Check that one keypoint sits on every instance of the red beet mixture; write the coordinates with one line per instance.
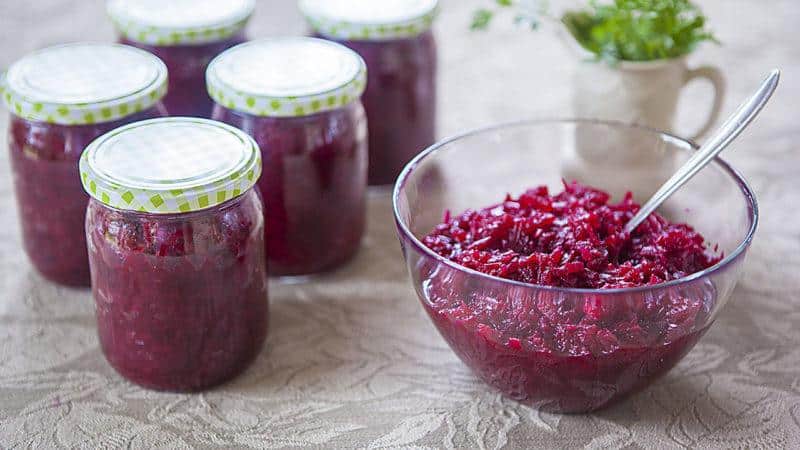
(314, 186)
(400, 101)
(567, 352)
(181, 299)
(52, 203)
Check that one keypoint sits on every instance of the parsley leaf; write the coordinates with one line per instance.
(639, 30)
(631, 30)
(481, 19)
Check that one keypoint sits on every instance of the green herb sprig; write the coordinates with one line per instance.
(628, 30)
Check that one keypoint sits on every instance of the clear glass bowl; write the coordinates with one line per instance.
(478, 169)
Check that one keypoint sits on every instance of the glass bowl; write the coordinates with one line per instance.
(478, 169)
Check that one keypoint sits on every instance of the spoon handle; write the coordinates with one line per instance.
(718, 141)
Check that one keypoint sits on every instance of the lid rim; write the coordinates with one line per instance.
(198, 192)
(174, 215)
(143, 32)
(235, 98)
(365, 30)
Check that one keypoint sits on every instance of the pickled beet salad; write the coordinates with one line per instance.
(563, 352)
(175, 232)
(180, 299)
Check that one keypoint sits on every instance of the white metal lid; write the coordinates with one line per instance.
(283, 77)
(170, 165)
(369, 19)
(177, 22)
(84, 83)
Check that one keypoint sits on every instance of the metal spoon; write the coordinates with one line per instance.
(717, 143)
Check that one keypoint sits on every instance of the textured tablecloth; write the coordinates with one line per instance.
(352, 361)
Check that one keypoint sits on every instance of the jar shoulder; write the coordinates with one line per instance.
(45, 141)
(221, 230)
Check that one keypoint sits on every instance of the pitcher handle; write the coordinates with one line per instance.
(713, 75)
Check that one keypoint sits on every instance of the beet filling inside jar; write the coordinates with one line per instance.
(395, 39)
(299, 99)
(186, 35)
(175, 230)
(61, 98)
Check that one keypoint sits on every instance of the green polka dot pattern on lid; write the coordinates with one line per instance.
(286, 77)
(369, 20)
(179, 22)
(83, 83)
(170, 165)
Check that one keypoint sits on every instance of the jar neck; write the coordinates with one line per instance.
(222, 207)
(423, 36)
(154, 111)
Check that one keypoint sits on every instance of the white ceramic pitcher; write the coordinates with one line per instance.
(644, 93)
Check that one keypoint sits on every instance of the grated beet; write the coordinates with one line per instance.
(567, 351)
(181, 299)
(573, 239)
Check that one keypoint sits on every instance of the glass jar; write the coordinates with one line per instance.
(305, 114)
(61, 98)
(186, 35)
(395, 40)
(176, 248)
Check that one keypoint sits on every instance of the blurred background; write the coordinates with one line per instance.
(505, 73)
(510, 73)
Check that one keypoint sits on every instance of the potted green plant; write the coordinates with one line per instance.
(633, 68)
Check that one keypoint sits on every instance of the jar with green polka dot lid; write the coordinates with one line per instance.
(186, 35)
(61, 98)
(175, 232)
(396, 40)
(299, 98)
